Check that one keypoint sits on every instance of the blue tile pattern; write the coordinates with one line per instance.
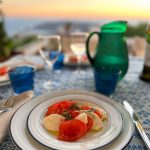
(130, 88)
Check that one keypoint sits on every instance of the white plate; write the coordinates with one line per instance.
(4, 78)
(69, 63)
(4, 83)
(24, 140)
(112, 127)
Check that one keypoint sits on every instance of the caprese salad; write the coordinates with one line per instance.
(72, 120)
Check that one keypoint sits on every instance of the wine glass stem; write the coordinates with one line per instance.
(52, 74)
(79, 63)
(50, 70)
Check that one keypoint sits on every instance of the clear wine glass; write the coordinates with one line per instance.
(78, 47)
(49, 49)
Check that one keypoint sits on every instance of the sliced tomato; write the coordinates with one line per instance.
(98, 113)
(59, 107)
(85, 108)
(66, 104)
(54, 109)
(74, 113)
(90, 123)
(3, 70)
(71, 130)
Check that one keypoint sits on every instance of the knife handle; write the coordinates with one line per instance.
(143, 134)
(2, 111)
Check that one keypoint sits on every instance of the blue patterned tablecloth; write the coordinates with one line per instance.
(131, 88)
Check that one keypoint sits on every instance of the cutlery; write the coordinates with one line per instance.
(137, 123)
(8, 104)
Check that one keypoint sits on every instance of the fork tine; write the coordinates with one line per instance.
(6, 101)
(9, 102)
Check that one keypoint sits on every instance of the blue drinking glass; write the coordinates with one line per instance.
(22, 78)
(106, 80)
(60, 59)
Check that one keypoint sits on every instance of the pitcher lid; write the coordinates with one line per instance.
(114, 27)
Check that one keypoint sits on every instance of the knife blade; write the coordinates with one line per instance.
(137, 123)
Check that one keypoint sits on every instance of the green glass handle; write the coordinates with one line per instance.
(87, 46)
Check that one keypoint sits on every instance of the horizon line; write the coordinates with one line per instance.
(80, 18)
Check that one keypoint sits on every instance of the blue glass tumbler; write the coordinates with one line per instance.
(22, 78)
(106, 80)
(60, 59)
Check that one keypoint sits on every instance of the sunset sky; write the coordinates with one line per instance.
(132, 9)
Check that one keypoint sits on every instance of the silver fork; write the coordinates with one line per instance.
(8, 104)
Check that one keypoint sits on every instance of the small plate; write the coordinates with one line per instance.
(4, 80)
(111, 130)
(20, 135)
(71, 61)
(4, 83)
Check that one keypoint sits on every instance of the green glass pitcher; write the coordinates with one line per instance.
(111, 50)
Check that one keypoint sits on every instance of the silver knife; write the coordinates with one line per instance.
(137, 123)
(3, 110)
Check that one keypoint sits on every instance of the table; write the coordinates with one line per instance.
(131, 88)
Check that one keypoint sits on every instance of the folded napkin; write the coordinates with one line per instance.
(6, 116)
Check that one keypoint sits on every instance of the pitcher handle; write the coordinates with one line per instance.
(87, 46)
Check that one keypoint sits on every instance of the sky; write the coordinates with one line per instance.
(88, 9)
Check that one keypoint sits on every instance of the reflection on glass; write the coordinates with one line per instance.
(49, 49)
(78, 47)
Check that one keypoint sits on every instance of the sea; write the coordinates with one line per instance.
(26, 25)
(18, 25)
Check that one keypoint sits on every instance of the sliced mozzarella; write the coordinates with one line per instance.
(52, 122)
(82, 117)
(97, 122)
(103, 112)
